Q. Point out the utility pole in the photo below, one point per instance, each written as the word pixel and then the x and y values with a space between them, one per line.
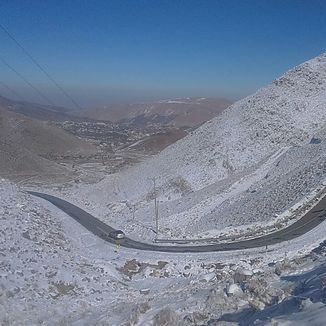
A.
pixel 157 202
pixel 133 211
pixel 155 207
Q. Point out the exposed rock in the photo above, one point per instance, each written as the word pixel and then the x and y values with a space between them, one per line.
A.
pixel 241 275
pixel 208 277
pixel 234 290
pixel 145 291
pixel 166 317
pixel 256 304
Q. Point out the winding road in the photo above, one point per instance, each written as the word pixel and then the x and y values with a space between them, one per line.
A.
pixel 309 221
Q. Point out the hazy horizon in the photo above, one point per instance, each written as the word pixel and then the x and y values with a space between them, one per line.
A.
pixel 123 52
pixel 99 100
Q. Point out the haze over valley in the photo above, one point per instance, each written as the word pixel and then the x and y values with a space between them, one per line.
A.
pixel 44 141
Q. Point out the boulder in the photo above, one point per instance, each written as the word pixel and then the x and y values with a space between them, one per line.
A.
pixel 234 290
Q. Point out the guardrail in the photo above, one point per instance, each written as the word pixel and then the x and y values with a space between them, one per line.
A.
pixel 182 241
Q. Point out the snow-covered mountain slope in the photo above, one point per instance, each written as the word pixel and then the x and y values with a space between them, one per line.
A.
pixel 286 113
pixel 202 178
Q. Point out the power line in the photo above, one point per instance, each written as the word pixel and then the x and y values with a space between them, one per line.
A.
pixel 11 90
pixel 40 67
pixel 26 81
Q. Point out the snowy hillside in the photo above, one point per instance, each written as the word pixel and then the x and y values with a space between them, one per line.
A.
pixel 53 271
pixel 204 181
pixel 286 113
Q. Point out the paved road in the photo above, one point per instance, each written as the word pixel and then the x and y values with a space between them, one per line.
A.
pixel 94 225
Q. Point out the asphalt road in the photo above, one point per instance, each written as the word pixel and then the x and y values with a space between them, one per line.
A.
pixel 94 225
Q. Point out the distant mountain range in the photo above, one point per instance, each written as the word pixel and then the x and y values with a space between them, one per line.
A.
pixel 181 112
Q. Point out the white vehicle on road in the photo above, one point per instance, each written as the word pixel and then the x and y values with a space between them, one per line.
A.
pixel 118 234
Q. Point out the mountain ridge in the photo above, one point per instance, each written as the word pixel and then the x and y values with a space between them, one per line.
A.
pixel 204 181
pixel 179 112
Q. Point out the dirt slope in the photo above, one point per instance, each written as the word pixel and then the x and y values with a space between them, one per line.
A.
pixel 29 146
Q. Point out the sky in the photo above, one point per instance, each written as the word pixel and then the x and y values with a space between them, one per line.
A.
pixel 109 51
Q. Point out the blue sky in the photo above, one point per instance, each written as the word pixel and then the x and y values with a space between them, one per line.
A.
pixel 108 51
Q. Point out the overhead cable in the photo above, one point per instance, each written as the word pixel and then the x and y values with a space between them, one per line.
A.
pixel 26 81
pixel 54 82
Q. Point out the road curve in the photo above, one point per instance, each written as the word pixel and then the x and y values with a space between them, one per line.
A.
pixel 309 221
